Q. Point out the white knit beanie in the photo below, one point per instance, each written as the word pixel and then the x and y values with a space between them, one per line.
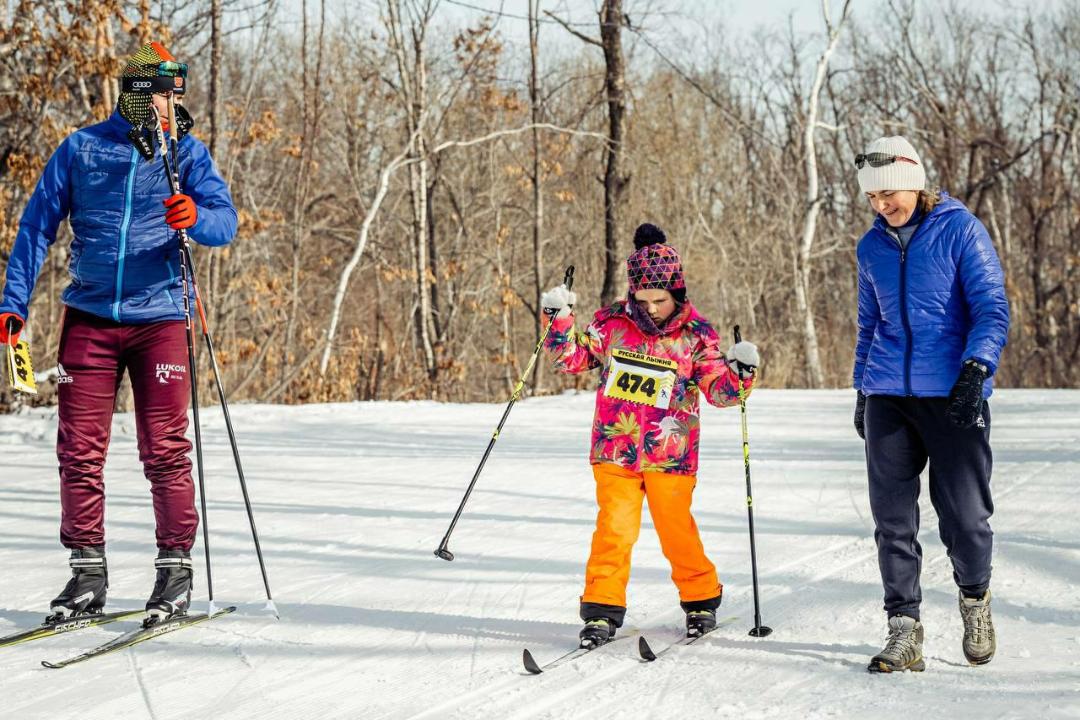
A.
pixel 899 175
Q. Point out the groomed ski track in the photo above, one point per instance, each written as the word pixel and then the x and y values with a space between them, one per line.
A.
pixel 352 499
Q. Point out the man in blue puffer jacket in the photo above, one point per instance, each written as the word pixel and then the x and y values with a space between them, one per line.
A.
pixel 124 309
pixel 933 320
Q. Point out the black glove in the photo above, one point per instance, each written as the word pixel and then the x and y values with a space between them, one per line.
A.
pixel 966 397
pixel 860 415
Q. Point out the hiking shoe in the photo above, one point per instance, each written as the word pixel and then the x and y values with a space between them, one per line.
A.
pixel 980 641
pixel 903 648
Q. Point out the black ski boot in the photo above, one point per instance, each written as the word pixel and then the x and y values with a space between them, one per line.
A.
pixel 596 632
pixel 699 622
pixel 84 593
pixel 172 588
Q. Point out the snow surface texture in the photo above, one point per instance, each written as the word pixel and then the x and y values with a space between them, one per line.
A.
pixel 352 499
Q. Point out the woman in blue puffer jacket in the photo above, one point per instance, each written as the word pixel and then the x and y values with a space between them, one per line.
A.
pixel 933 320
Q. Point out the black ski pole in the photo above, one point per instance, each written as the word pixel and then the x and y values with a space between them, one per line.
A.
pixel 232 433
pixel 200 306
pixel 758 630
pixel 194 374
pixel 442 551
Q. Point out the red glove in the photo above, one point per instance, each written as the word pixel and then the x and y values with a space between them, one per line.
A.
pixel 182 212
pixel 16 323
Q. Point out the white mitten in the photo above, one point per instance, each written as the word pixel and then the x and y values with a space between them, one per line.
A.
pixel 558 300
pixel 745 357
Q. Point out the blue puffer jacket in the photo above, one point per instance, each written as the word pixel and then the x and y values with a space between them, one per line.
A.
pixel 125 261
pixel 923 311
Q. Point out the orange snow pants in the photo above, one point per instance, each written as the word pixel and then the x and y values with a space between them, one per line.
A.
pixel 619 493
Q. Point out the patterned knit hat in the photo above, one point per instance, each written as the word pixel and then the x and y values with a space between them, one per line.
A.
pixel 653 264
pixel 135 106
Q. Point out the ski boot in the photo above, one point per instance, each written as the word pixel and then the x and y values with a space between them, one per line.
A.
pixel 172 588
pixel 903 649
pixel 85 592
pixel 979 638
pixel 699 622
pixel 596 632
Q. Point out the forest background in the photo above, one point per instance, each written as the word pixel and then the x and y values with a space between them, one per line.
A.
pixel 408 182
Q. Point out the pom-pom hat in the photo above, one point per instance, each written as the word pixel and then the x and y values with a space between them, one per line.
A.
pixel 654 264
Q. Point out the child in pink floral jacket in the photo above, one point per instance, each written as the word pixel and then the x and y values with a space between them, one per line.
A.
pixel 656 355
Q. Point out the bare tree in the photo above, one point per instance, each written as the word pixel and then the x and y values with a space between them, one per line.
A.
pixel 536 112
pixel 215 73
pixel 412 75
pixel 434 180
pixel 612 21
pixel 814 199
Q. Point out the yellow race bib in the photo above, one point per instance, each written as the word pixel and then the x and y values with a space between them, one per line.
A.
pixel 20 370
pixel 641 378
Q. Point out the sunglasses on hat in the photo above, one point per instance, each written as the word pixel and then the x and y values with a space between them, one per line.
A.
pixel 877 159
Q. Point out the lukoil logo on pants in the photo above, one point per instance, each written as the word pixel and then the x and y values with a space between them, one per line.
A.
pixel 166 372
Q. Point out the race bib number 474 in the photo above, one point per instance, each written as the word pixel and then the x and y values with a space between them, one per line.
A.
pixel 641 378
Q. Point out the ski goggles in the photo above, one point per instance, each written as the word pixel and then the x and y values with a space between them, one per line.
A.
pixel 163 77
pixel 877 160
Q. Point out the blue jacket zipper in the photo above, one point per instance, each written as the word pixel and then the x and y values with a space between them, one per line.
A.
pixel 904 317
pixel 128 188
pixel 903 302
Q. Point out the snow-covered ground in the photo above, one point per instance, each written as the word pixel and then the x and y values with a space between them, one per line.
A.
pixel 351 500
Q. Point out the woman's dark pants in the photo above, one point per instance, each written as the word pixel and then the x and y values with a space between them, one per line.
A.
pixel 902 435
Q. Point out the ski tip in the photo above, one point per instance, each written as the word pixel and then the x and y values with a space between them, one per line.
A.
pixel 644 650
pixel 51 666
pixel 530 664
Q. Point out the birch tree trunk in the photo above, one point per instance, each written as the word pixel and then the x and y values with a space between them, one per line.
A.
pixel 803 264
pixel 413 78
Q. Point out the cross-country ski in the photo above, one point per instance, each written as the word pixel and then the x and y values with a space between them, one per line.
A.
pixel 51 627
pixel 139 635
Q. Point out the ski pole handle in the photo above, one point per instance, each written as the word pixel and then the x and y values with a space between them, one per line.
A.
pixel 568 281
pixel 742 391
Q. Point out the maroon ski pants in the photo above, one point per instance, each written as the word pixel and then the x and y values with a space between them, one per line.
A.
pixel 94 352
